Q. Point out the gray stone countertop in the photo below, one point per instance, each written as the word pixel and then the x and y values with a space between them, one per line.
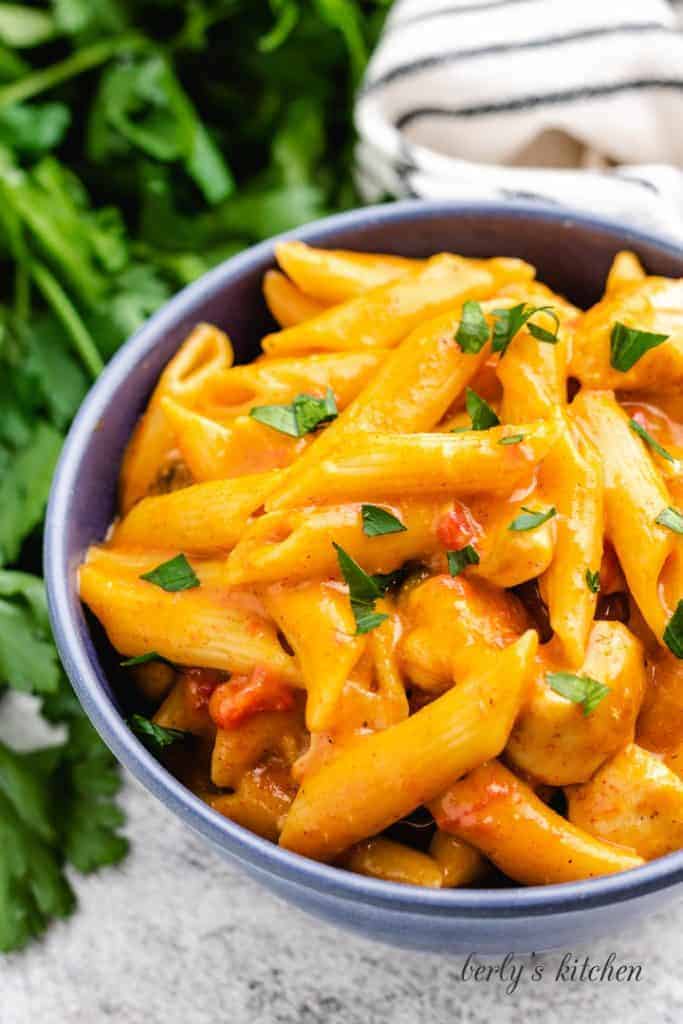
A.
pixel 177 936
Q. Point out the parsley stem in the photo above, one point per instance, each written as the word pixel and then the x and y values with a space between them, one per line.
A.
pixel 17 245
pixel 67 313
pixel 83 60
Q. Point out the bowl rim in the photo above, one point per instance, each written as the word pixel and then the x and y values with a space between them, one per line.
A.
pixel 66 615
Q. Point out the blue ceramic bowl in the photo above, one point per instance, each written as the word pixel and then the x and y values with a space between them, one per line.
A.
pixel 572 254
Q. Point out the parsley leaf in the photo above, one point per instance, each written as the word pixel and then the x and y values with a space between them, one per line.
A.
pixel 512 439
pixel 628 344
pixel 649 439
pixel 508 322
pixel 151 188
pixel 473 331
pixel 459 560
pixel 671 518
pixel 482 415
pixel 593 581
pixel 364 590
pixel 673 634
pixel 155 737
pixel 579 689
pixel 529 519
pixel 141 659
pixel 377 521
pixel 176 574
pixel 300 417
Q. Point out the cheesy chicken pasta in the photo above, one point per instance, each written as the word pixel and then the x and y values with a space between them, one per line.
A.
pixel 404 594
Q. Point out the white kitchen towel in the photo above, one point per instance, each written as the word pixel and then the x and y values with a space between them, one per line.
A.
pixel 571 102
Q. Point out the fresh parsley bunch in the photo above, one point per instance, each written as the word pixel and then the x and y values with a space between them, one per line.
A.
pixel 141 142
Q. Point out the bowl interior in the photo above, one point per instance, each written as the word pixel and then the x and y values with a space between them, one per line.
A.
pixel 572 254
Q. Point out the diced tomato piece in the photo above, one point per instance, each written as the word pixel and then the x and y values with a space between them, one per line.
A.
pixel 200 684
pixel 243 696
pixel 457 528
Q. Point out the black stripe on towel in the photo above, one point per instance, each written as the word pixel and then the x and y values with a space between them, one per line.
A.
pixel 522 103
pixel 414 19
pixel 455 56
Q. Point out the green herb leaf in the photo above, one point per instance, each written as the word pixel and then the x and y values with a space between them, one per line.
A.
pixel 33 129
pixel 672 519
pixel 176 574
pixel 364 590
pixel 508 322
pixel 628 344
pixel 649 439
pixel 155 737
pixel 141 659
pixel 304 414
pixel 459 560
pixel 512 439
pixel 673 634
pixel 579 689
pixel 473 331
pixel 482 415
pixel 23 26
pixel 530 519
pixel 377 521
pixel 593 581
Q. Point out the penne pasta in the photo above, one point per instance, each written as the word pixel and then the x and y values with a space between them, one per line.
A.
pixel 416 537
pixel 235 392
pixel 287 303
pixel 391 466
pixel 205 518
pixel 383 316
pixel 317 622
pixel 411 392
pixel 383 858
pixel 460 863
pixel 298 543
pixel 635 495
pixel 195 627
pixel 572 479
pixel 501 816
pixel 331 276
pixel 206 351
pixel 410 763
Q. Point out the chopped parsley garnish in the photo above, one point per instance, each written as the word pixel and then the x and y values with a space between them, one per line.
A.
pixel 459 560
pixel 480 412
pixel 509 321
pixel 671 518
pixel 473 331
pixel 593 581
pixel 673 634
pixel 530 519
pixel 364 590
pixel 155 737
pixel 649 439
pixel 579 689
pixel 176 574
pixel 628 344
pixel 377 521
pixel 304 414
pixel 141 659
pixel 512 439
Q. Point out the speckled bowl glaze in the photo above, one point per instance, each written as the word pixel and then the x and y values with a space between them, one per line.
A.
pixel 572 254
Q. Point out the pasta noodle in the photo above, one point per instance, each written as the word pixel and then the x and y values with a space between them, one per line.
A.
pixel 405 592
